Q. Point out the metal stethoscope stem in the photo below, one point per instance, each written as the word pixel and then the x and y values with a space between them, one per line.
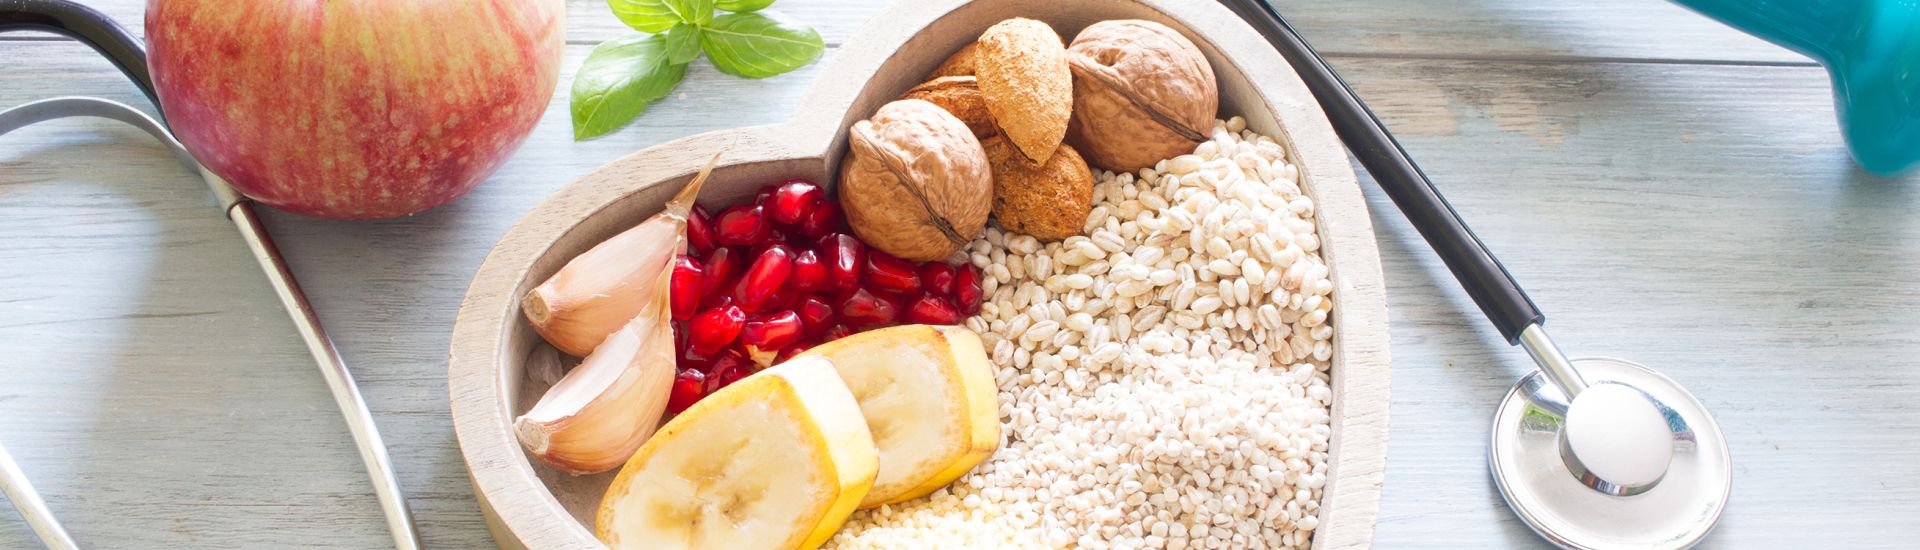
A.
pixel 1552 361
pixel 96 30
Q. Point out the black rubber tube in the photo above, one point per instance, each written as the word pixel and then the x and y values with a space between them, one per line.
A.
pixel 1495 291
pixel 87 25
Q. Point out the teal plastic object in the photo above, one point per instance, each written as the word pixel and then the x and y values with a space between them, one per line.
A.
pixel 1871 48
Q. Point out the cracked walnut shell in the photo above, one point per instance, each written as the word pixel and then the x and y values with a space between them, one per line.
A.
pixel 961 63
pixel 1141 93
pixel 959 95
pixel 1049 201
pixel 915 182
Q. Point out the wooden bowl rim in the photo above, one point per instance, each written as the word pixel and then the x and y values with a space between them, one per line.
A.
pixel 522 512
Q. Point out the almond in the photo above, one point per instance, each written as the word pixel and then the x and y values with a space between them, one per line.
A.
pixel 959 95
pixel 1023 74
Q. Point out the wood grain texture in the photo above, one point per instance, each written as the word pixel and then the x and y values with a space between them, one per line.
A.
pixel 537 508
pixel 1502 29
pixel 1704 221
pixel 1701 218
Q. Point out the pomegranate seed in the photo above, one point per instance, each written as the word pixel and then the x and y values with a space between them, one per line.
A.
pixel 722 265
pixel 809 273
pixel 793 201
pixel 933 310
pixel 716 300
pixel 694 359
pixel 699 231
pixel 835 332
pixel 843 254
pixel 768 274
pixel 741 226
pixel 865 309
pixel 715 328
pixel 772 332
pixel 825 218
pixel 791 351
pixel 967 291
pixel 937 278
pixel 683 294
pixel 785 298
pixel 688 387
pixel 890 274
pixel 815 313
pixel 727 369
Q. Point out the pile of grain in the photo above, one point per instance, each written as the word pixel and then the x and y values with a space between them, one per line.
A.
pixel 1163 379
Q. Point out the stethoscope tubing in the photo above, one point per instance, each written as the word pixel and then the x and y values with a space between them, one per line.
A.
pixel 1484 279
pixel 100 32
pixel 18 490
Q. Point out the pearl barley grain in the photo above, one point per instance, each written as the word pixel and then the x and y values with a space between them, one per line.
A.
pixel 1162 380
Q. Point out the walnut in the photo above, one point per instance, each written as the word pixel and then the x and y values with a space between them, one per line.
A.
pixel 1141 93
pixel 1048 201
pixel 915 182
pixel 960 63
pixel 959 95
pixel 1023 74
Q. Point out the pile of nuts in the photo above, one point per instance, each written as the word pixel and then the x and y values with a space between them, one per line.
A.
pixel 1164 378
pixel 1037 115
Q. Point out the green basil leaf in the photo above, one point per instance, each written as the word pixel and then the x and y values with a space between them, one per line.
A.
pixel 619 80
pixel 755 45
pixel 645 15
pixel 683 44
pixel 743 5
pixel 698 12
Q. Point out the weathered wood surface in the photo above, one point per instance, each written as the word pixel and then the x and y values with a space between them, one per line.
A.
pixel 1661 197
pixel 1542 29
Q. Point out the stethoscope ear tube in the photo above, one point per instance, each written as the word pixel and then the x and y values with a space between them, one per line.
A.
pixel 86 25
pixel 97 30
pixel 1495 291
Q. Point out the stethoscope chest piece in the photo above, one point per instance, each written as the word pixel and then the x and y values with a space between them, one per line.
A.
pixel 1674 506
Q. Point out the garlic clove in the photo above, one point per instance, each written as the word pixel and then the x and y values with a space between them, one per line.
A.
pixel 596 416
pixel 597 292
pixel 602 411
pixel 604 288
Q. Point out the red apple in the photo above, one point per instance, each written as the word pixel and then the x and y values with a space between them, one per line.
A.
pixel 354 109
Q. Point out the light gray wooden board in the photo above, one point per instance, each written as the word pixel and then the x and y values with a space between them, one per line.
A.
pixel 1700 218
pixel 1542 29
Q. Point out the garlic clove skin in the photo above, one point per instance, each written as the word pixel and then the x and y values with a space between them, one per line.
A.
pixel 611 305
pixel 603 410
pixel 604 288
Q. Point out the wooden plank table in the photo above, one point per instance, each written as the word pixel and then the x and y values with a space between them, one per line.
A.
pixel 1668 189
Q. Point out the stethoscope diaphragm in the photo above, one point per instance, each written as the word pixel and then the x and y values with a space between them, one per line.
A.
pixel 1526 454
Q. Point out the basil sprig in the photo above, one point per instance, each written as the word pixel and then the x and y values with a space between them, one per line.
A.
pixel 623 76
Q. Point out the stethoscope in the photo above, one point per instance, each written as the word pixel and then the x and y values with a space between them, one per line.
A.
pixel 1591 452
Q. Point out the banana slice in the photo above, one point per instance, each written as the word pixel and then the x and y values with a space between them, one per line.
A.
pixel 777 460
pixel 929 398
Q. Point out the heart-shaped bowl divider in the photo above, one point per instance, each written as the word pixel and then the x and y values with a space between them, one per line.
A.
pixel 528 505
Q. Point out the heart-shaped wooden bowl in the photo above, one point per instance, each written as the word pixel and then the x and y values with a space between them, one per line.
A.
pixel 531 506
